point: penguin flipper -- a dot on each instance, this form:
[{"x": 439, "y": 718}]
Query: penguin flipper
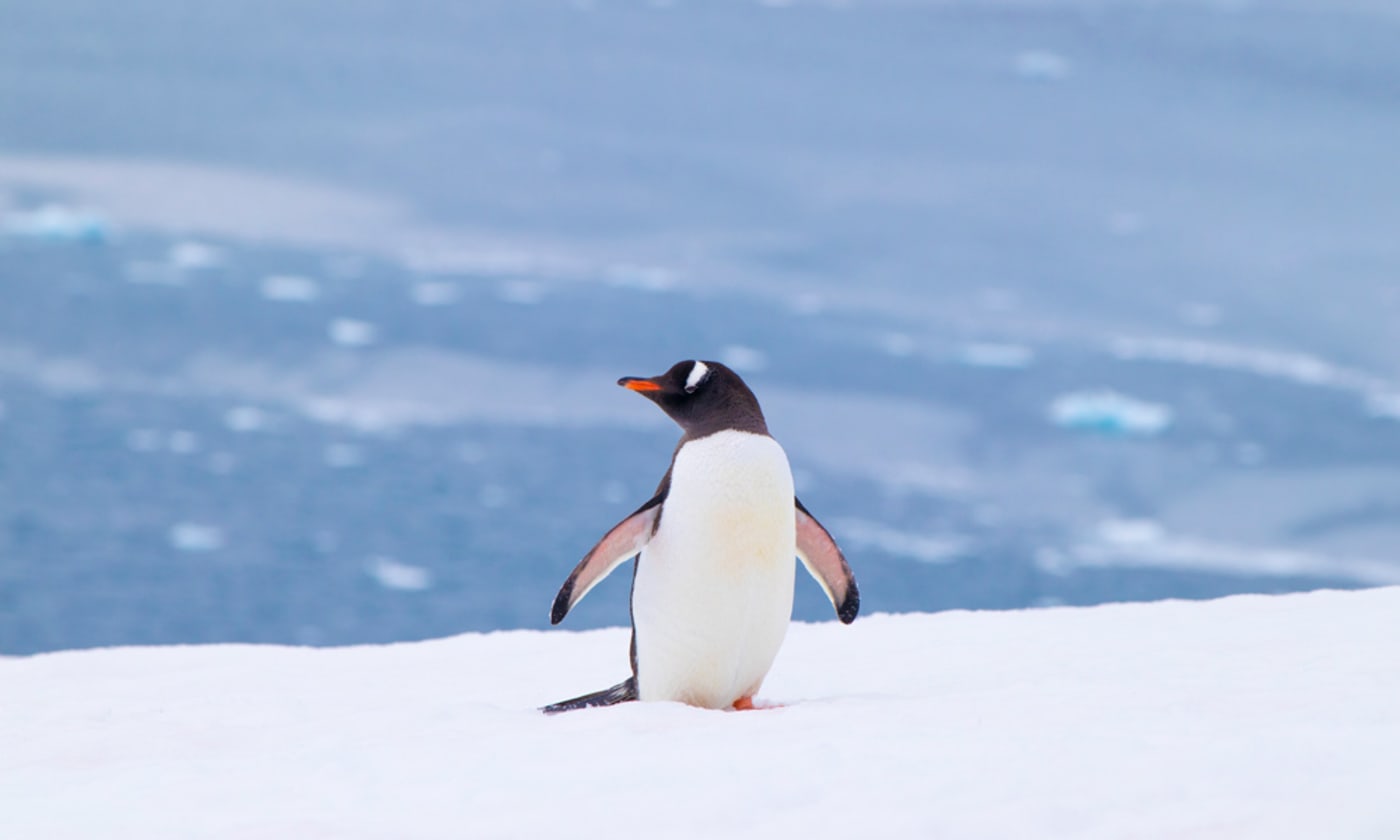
[
  {"x": 623, "y": 542},
  {"x": 623, "y": 692},
  {"x": 825, "y": 562}
]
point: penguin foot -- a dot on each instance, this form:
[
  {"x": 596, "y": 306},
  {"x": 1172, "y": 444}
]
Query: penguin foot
[{"x": 748, "y": 704}]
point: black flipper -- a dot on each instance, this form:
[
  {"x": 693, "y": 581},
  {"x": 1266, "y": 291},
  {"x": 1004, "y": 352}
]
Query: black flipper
[{"x": 623, "y": 692}]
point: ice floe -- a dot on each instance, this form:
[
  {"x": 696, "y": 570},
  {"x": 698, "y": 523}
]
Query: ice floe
[
  {"x": 642, "y": 277},
  {"x": 1109, "y": 412},
  {"x": 190, "y": 255},
  {"x": 290, "y": 288},
  {"x": 1384, "y": 405},
  {"x": 57, "y": 223},
  {"x": 1041, "y": 65},
  {"x": 926, "y": 548},
  {"x": 743, "y": 359},
  {"x": 348, "y": 332},
  {"x": 1145, "y": 543},
  {"x": 434, "y": 293},
  {"x": 196, "y": 537},
  {"x": 245, "y": 418},
  {"x": 401, "y": 577}
]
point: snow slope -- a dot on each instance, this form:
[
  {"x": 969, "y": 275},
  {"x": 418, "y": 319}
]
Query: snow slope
[{"x": 1253, "y": 716}]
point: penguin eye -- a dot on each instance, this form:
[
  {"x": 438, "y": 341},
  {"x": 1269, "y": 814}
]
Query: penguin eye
[{"x": 698, "y": 374}]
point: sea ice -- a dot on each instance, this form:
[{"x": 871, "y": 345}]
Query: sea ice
[
  {"x": 57, "y": 223},
  {"x": 1041, "y": 65},
  {"x": 402, "y": 577},
  {"x": 290, "y": 288},
  {"x": 196, "y": 537},
  {"x": 348, "y": 332},
  {"x": 1109, "y": 412},
  {"x": 743, "y": 359},
  {"x": 194, "y": 256},
  {"x": 245, "y": 418},
  {"x": 434, "y": 293}
]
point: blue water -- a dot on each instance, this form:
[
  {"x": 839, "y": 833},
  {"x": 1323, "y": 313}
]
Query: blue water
[{"x": 912, "y": 226}]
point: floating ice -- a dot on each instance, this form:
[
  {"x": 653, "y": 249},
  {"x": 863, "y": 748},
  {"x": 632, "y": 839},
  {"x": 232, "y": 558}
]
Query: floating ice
[
  {"x": 988, "y": 355},
  {"x": 1130, "y": 532},
  {"x": 402, "y": 577},
  {"x": 245, "y": 418},
  {"x": 744, "y": 359},
  {"x": 434, "y": 293},
  {"x": 1384, "y": 405},
  {"x": 194, "y": 256},
  {"x": 642, "y": 277},
  {"x": 926, "y": 548},
  {"x": 1041, "y": 65},
  {"x": 347, "y": 332},
  {"x": 1144, "y": 543},
  {"x": 291, "y": 288},
  {"x": 57, "y": 223},
  {"x": 1109, "y": 412},
  {"x": 194, "y": 536}
]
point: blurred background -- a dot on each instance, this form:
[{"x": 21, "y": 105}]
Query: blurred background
[{"x": 311, "y": 312}]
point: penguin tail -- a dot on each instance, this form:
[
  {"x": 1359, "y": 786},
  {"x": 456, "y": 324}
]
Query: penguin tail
[{"x": 623, "y": 692}]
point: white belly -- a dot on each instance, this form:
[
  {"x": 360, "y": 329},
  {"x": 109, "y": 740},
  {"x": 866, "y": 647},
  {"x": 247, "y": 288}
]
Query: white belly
[{"x": 713, "y": 594}]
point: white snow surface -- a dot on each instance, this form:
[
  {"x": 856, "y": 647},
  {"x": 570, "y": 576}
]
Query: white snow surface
[{"x": 1248, "y": 717}]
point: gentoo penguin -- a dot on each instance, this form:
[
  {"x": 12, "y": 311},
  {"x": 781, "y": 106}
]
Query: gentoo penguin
[{"x": 713, "y": 579}]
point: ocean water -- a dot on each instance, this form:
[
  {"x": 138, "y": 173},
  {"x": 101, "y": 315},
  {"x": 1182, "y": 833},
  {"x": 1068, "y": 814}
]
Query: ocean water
[{"x": 310, "y": 316}]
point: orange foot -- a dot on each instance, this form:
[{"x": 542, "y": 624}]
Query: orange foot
[{"x": 748, "y": 704}]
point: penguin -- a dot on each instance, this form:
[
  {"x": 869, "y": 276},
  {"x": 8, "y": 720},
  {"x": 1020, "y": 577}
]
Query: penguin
[{"x": 713, "y": 551}]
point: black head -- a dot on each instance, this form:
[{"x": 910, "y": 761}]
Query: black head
[{"x": 702, "y": 397}]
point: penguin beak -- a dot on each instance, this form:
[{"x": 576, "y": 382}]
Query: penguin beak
[{"x": 643, "y": 386}]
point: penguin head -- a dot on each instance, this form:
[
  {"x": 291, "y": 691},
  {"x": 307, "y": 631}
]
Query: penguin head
[{"x": 702, "y": 397}]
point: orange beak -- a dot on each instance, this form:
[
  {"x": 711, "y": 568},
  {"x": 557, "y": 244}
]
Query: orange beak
[{"x": 632, "y": 383}]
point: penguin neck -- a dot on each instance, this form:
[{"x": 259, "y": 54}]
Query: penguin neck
[{"x": 750, "y": 421}]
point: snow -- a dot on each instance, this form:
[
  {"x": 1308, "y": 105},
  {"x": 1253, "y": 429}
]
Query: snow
[{"x": 1249, "y": 717}]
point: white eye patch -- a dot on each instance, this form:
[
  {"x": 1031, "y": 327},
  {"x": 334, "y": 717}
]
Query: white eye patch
[{"x": 697, "y": 375}]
